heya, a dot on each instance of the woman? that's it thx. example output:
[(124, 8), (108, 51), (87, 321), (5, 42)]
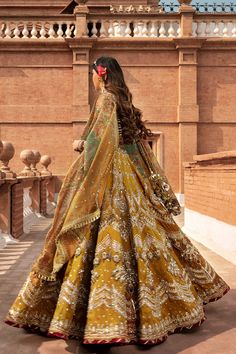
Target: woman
[(115, 267)]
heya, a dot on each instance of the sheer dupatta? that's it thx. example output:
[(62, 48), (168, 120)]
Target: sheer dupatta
[(81, 194)]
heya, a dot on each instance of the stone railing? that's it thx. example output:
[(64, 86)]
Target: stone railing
[(26, 197), (120, 21), (210, 201), (214, 26), (38, 28), (143, 27)]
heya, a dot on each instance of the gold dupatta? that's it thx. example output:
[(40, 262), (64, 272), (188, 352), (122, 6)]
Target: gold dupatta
[(82, 190)]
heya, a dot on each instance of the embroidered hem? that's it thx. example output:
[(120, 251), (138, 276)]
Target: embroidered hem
[(121, 341), (37, 329)]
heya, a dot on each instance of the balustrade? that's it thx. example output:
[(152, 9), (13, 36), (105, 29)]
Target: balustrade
[(121, 21), (133, 28), (37, 29), (217, 28)]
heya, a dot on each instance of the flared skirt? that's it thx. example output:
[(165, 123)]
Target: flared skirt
[(135, 277)]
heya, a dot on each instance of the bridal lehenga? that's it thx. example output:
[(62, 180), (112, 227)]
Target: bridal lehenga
[(115, 266)]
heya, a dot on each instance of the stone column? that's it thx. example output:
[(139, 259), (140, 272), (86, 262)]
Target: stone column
[(80, 47), (188, 110)]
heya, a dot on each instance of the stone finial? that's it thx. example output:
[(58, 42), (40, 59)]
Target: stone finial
[(185, 2), (7, 153), (45, 162), (27, 157), (37, 157)]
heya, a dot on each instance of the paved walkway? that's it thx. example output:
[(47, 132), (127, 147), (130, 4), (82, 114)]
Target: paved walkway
[(217, 335)]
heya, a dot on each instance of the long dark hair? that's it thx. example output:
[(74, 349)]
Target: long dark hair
[(130, 117)]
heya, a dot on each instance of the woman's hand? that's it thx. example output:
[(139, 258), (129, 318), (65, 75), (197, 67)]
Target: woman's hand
[(78, 145)]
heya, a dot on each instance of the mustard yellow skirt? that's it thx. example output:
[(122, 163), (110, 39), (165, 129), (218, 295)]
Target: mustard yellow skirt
[(136, 278)]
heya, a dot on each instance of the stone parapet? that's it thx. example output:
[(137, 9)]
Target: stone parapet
[(210, 201), (24, 197), (210, 185)]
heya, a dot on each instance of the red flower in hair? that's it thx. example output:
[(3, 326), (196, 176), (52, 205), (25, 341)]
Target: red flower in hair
[(101, 70)]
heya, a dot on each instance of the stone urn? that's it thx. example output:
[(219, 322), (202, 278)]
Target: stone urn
[(45, 162), (27, 157), (7, 153), (185, 2)]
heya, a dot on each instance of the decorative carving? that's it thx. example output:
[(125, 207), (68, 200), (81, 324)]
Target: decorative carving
[(136, 9)]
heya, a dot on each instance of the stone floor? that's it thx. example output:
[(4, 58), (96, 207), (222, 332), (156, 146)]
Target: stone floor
[(216, 335)]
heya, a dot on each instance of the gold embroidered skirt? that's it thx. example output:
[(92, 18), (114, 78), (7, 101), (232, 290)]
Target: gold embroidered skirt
[(135, 278)]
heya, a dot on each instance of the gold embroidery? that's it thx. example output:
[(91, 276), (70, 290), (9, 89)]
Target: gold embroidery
[(134, 263)]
